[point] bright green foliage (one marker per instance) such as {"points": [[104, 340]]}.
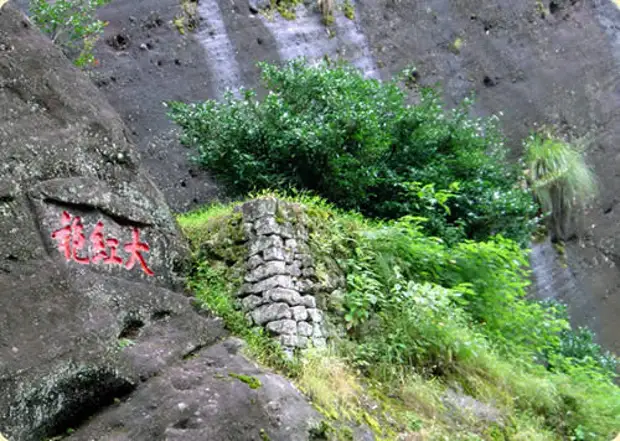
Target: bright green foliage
{"points": [[355, 142], [72, 24], [560, 179]]}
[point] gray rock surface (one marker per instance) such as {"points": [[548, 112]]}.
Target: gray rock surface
{"points": [[200, 400], [103, 347]]}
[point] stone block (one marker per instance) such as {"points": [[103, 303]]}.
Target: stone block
{"points": [[266, 270], [289, 296], [316, 316], [259, 208], [272, 312], [274, 254], [299, 313], [304, 329], [262, 243], [288, 327], [308, 301], [273, 282], [266, 226]]}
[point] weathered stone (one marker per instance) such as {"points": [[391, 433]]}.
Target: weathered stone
{"points": [[290, 244], [302, 248], [286, 230], [253, 262], [248, 230], [316, 316], [266, 226], [308, 272], [304, 328], [283, 327], [274, 254], [294, 269], [307, 261], [308, 301], [266, 270], [288, 256], [284, 295], [300, 313], [267, 284], [264, 242], [319, 342], [259, 208], [317, 330], [271, 312], [252, 301], [304, 286], [302, 342], [288, 340]]}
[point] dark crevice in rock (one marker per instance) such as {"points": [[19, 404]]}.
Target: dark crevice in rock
{"points": [[161, 315], [193, 352], [131, 329], [120, 220]]}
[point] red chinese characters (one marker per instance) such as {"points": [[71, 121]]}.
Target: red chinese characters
{"points": [[72, 241]]}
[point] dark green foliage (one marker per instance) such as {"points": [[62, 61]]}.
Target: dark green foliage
{"points": [[356, 143]]}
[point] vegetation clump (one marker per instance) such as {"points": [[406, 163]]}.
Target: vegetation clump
{"points": [[356, 143], [428, 223], [252, 382], [72, 24], [425, 319], [560, 179]]}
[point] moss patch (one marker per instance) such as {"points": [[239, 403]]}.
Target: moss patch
{"points": [[252, 382]]}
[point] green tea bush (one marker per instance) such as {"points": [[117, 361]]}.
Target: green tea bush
{"points": [[72, 24], [355, 142]]}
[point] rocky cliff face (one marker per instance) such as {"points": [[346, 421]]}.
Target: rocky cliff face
{"points": [[92, 321], [535, 62]]}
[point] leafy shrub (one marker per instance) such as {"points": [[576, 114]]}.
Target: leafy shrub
{"points": [[72, 24], [560, 179], [356, 143]]}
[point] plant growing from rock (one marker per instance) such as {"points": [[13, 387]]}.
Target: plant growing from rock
{"points": [[72, 25], [560, 179]]}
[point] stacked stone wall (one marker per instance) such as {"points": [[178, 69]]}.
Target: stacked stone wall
{"points": [[280, 278]]}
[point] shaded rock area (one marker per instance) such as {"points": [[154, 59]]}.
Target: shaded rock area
{"points": [[280, 281], [87, 324], [212, 396]]}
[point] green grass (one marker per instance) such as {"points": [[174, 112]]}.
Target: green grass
{"points": [[560, 179], [415, 331]]}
